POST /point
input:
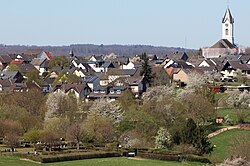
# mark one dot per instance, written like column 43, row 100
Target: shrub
column 69, row 157
column 194, row 158
column 159, row 156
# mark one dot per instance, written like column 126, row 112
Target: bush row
column 159, row 156
column 69, row 157
column 174, row 157
column 194, row 158
column 65, row 157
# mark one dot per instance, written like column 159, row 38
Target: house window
column 226, row 31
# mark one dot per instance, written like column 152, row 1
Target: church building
column 225, row 46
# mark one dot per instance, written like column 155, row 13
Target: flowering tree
column 163, row 139
column 53, row 104
column 196, row 80
column 241, row 100
column 61, row 104
column 158, row 93
column 108, row 109
column 239, row 161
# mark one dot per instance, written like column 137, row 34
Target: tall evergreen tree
column 146, row 69
column 196, row 136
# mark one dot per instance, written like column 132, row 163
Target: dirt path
column 222, row 130
column 24, row 159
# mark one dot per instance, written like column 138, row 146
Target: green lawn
column 224, row 142
column 11, row 161
column 231, row 113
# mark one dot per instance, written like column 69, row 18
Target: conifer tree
column 146, row 69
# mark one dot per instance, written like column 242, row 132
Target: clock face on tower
column 226, row 25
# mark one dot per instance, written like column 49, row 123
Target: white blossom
column 239, row 161
column 53, row 104
column 196, row 80
column 158, row 93
column 163, row 139
column 108, row 109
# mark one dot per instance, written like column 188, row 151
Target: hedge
column 65, row 157
column 194, row 158
column 174, row 157
column 69, row 157
column 159, row 156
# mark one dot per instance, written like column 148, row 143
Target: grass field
column 11, row 161
column 231, row 113
column 224, row 142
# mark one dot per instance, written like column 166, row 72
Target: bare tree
column 99, row 128
column 76, row 132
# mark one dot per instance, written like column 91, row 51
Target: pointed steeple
column 228, row 16
column 228, row 26
column 71, row 53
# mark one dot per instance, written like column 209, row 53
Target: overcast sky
column 178, row 23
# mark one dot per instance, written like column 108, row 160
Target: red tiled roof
column 170, row 71
column 49, row 55
column 15, row 62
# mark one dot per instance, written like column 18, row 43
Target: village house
column 80, row 91
column 230, row 68
column 41, row 64
column 4, row 61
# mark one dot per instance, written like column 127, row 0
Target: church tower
column 228, row 26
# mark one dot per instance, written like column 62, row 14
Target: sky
column 172, row 23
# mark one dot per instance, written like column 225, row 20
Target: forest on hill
column 90, row 49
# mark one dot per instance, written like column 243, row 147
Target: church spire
column 228, row 26
column 228, row 16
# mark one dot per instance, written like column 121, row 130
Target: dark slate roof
column 179, row 56
column 206, row 69
column 24, row 68
column 122, row 60
column 181, row 64
column 98, row 57
column 38, row 61
column 57, row 69
column 101, row 88
column 90, row 79
column 84, row 63
column 24, row 57
column 134, row 80
column 121, row 71
column 107, row 64
column 104, row 76
column 45, row 64
column 210, row 62
column 8, row 74
column 223, row 43
column 5, row 59
column 245, row 58
column 47, row 81
column 231, row 19
column 219, row 61
column 238, row 65
column 115, row 88
column 5, row 82
column 77, row 87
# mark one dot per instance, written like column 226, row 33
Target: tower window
column 226, row 32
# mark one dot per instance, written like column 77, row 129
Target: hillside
column 90, row 49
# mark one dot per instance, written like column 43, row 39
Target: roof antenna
column 185, row 43
column 228, row 4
